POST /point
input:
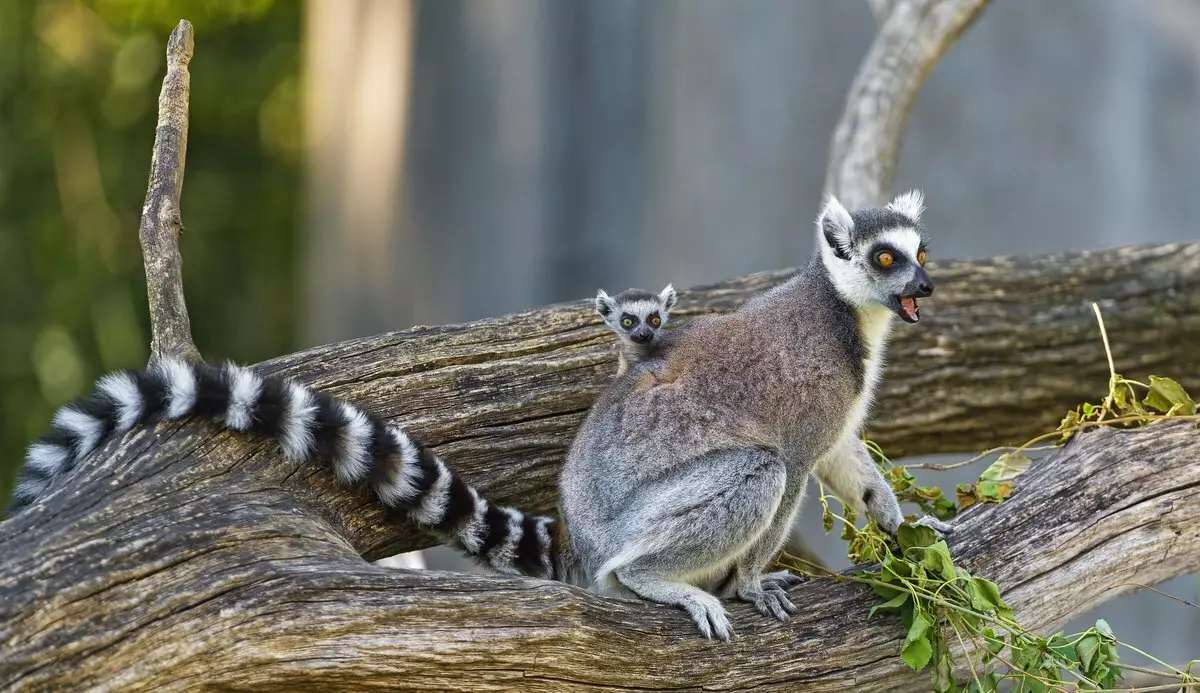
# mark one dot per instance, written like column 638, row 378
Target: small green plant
column 916, row 577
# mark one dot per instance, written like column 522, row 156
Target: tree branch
column 215, row 555
column 171, row 332
column 912, row 36
column 1003, row 350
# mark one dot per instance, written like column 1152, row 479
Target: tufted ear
column 836, row 227
column 911, row 204
column 604, row 303
column 668, row 297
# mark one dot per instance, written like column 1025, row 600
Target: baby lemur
column 683, row 479
column 637, row 318
column 688, row 471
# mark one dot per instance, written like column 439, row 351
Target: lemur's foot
column 710, row 617
column 781, row 579
column 770, row 601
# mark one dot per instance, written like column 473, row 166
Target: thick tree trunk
column 184, row 555
column 177, row 563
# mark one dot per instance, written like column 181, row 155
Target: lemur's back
column 729, row 381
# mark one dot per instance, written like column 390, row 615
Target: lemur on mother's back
column 687, row 472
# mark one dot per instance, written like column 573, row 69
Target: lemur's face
column 636, row 315
column 876, row 256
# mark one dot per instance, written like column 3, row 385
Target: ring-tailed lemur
column 688, row 472
column 637, row 318
column 359, row 446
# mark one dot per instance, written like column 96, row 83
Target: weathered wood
column 912, row 36
column 177, row 566
column 170, row 329
column 1004, row 348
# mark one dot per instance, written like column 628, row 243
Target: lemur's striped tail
column 361, row 448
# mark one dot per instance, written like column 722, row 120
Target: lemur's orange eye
column 885, row 259
column 655, row 321
column 921, row 257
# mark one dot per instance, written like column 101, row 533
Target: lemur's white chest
column 875, row 326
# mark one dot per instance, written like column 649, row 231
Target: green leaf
column 1086, row 649
column 1105, row 629
column 1166, row 395
column 944, row 509
column 965, row 494
column 887, row 593
column 894, row 568
column 993, row 491
column 910, row 536
column 985, row 595
column 937, row 560
column 1007, row 467
column 917, row 649
column 943, row 675
column 992, row 642
column 892, row 604
column 826, row 519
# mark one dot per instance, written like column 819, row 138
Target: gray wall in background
column 558, row 146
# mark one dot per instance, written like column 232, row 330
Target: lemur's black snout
column 641, row 334
column 920, row 286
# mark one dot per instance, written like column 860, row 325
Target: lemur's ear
column 911, row 204
column 668, row 297
column 604, row 303
column 836, row 227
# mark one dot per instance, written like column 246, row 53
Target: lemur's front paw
column 942, row 528
column 769, row 601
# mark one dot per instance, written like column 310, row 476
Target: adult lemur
column 687, row 471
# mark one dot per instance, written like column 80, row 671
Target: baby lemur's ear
column 668, row 297
column 911, row 204
column 604, row 303
column 836, row 227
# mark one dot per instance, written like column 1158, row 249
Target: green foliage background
column 79, row 85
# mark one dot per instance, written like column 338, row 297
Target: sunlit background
column 357, row 166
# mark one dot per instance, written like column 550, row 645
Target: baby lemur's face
column 636, row 316
column 876, row 256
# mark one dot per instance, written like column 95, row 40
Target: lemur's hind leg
column 693, row 527
column 768, row 593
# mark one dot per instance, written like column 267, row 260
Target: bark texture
column 177, row 564
column 171, row 331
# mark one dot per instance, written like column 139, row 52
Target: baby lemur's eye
column 921, row 257
column 626, row 322
column 655, row 321
column 885, row 259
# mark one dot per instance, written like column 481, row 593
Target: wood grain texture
column 912, row 36
column 176, row 566
column 170, row 328
column 1004, row 348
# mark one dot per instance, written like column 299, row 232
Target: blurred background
column 358, row 166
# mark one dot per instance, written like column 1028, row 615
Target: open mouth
column 906, row 307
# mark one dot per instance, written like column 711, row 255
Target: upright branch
column 912, row 36
column 170, row 329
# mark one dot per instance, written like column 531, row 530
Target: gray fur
column 689, row 470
